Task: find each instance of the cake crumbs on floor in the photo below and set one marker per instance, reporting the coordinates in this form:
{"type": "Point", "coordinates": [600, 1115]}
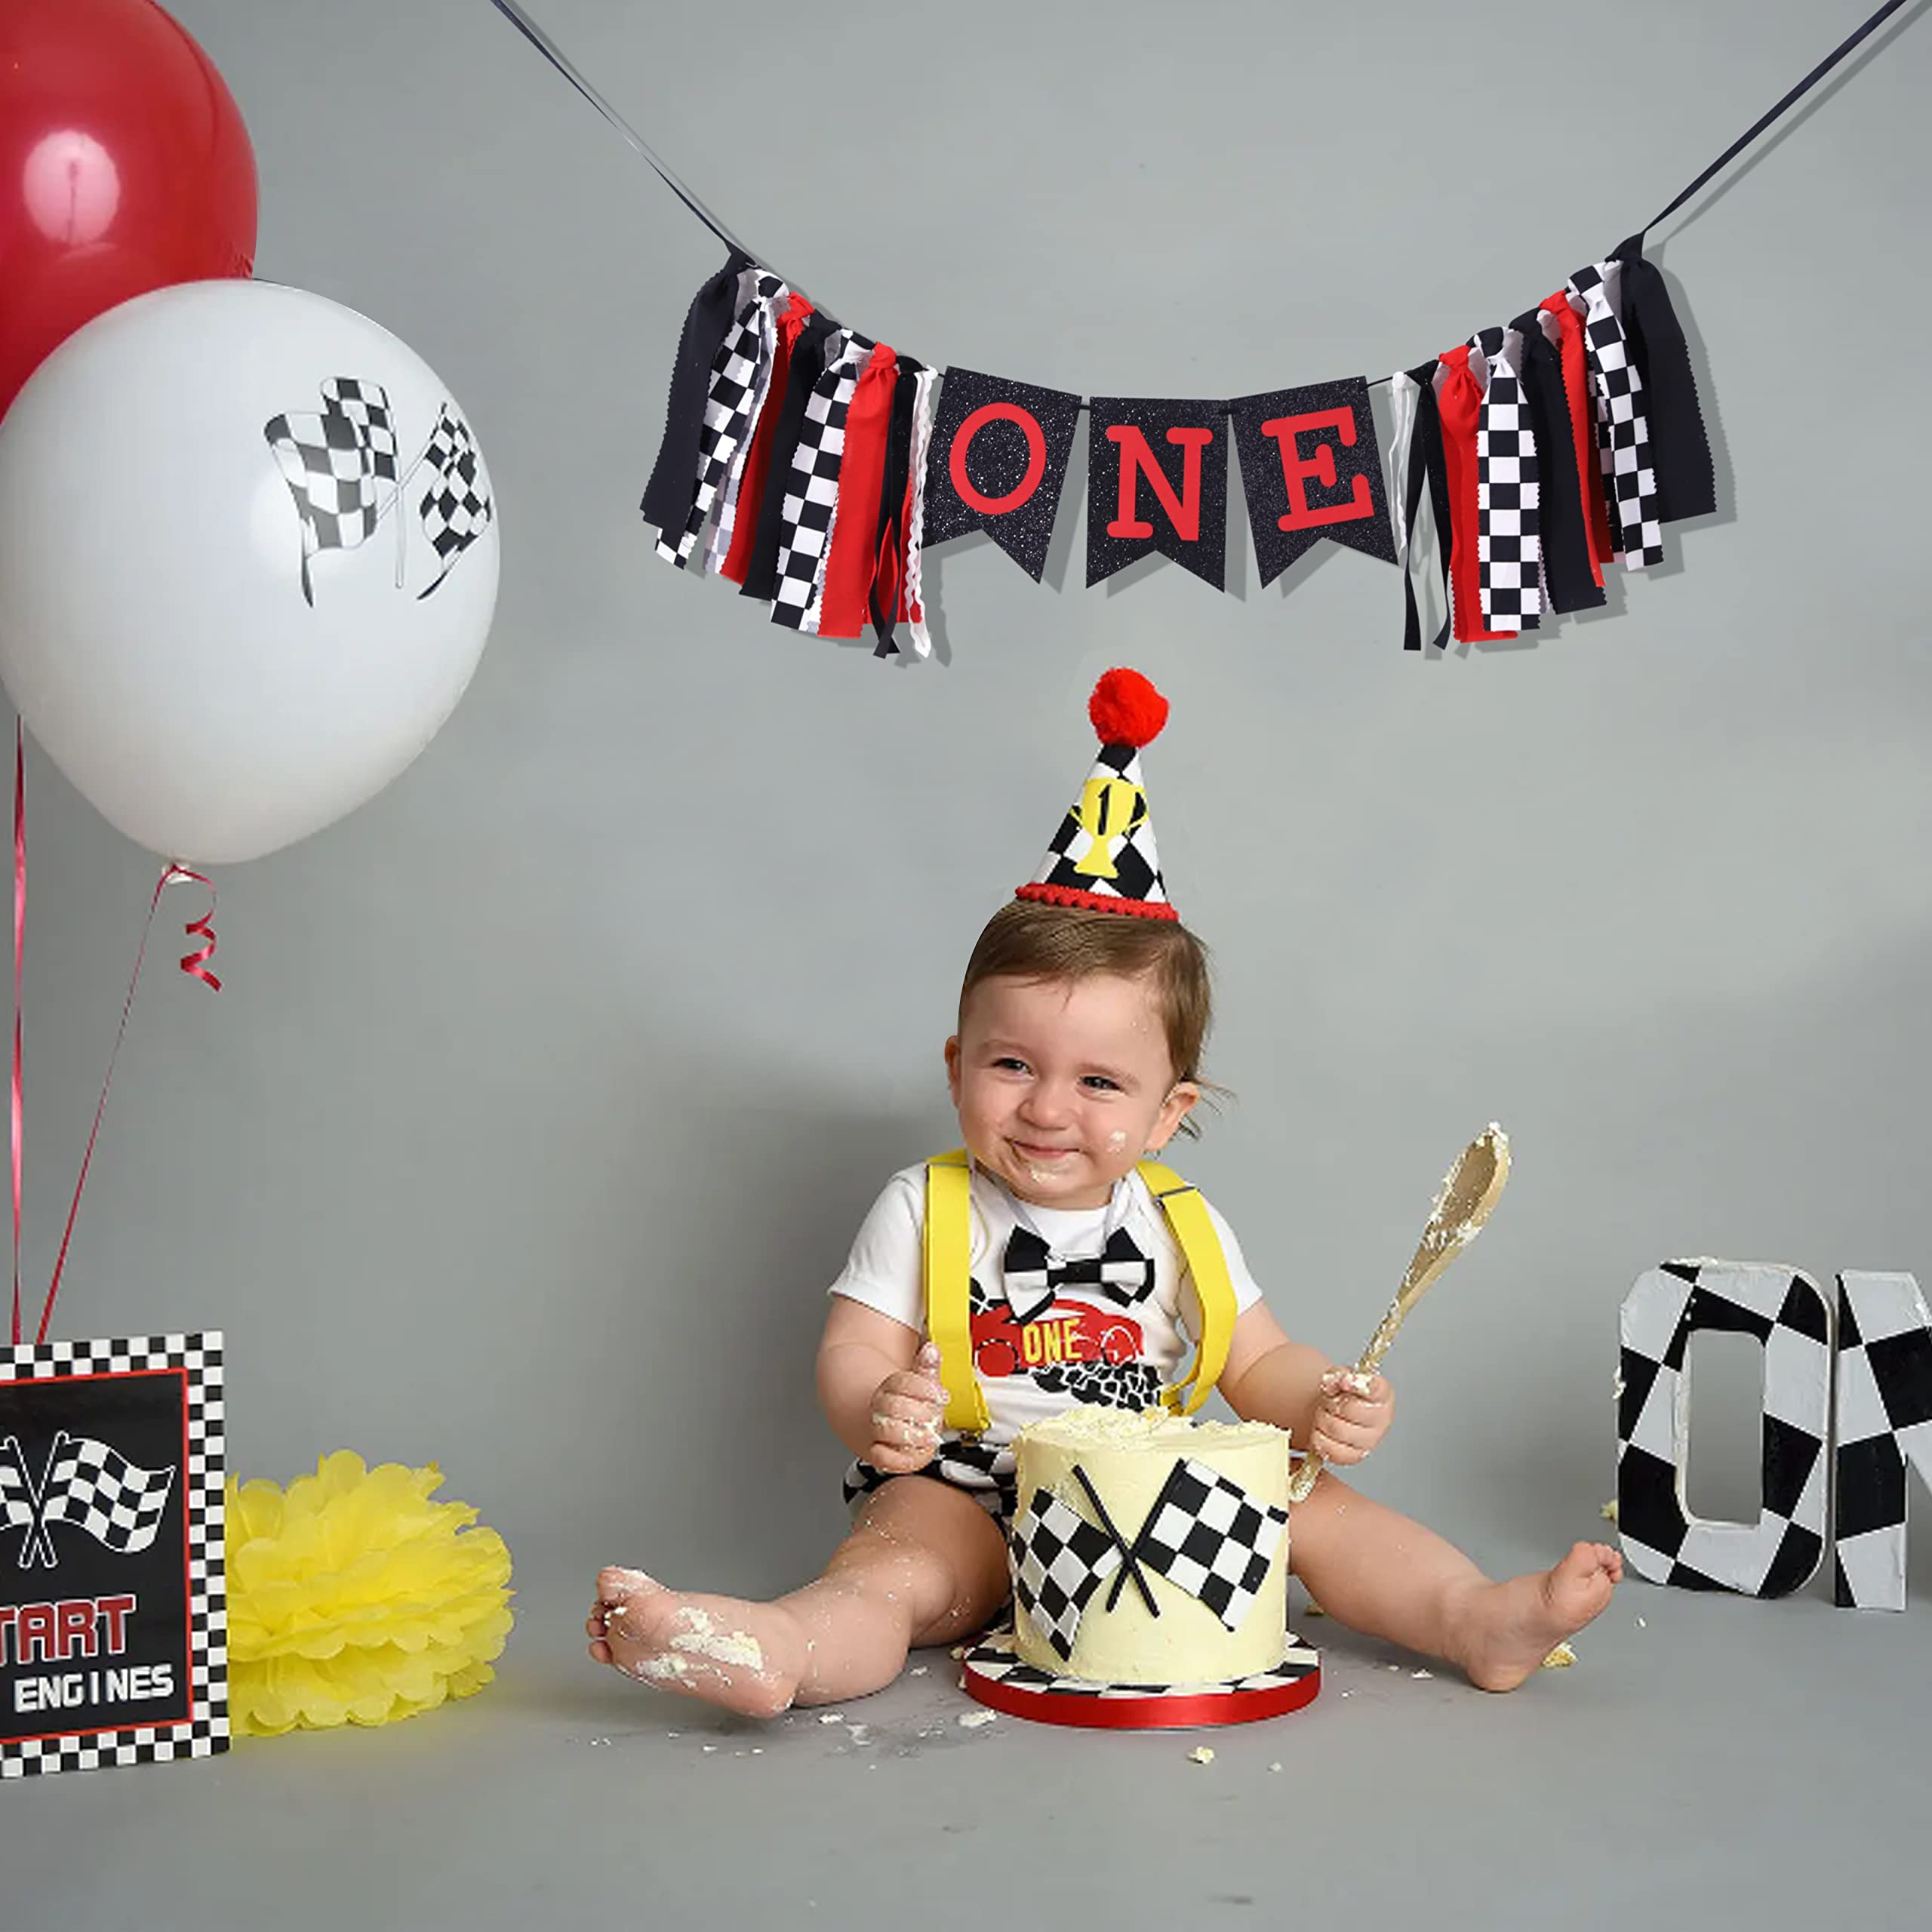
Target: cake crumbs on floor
{"type": "Point", "coordinates": [1202, 1754]}
{"type": "Point", "coordinates": [972, 1720]}
{"type": "Point", "coordinates": [1608, 1512]}
{"type": "Point", "coordinates": [1561, 1658]}
{"type": "Point", "coordinates": [1421, 1673]}
{"type": "Point", "coordinates": [1276, 1765]}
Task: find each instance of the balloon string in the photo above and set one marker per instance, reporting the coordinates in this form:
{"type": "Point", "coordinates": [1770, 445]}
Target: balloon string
{"type": "Point", "coordinates": [19, 956]}
{"type": "Point", "coordinates": [195, 964]}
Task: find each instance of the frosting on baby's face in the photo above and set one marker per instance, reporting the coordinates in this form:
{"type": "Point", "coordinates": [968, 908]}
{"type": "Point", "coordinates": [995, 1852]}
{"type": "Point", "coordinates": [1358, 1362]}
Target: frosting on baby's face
{"type": "Point", "coordinates": [1062, 1085]}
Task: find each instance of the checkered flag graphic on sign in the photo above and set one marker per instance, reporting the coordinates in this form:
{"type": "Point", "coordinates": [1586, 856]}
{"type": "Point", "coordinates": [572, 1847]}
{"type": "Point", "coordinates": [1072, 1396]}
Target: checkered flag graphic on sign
{"type": "Point", "coordinates": [811, 491]}
{"type": "Point", "coordinates": [455, 507]}
{"type": "Point", "coordinates": [1509, 529]}
{"type": "Point", "coordinates": [1623, 423]}
{"type": "Point", "coordinates": [1784, 1309]}
{"type": "Point", "coordinates": [1209, 1537]}
{"type": "Point", "coordinates": [340, 465]}
{"type": "Point", "coordinates": [738, 374]}
{"type": "Point", "coordinates": [1885, 1429]}
{"type": "Point", "coordinates": [1104, 844]}
{"type": "Point", "coordinates": [96, 1489]}
{"type": "Point", "coordinates": [1059, 1559]}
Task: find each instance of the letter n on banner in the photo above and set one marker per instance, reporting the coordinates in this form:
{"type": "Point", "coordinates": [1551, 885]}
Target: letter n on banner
{"type": "Point", "coordinates": [1157, 484]}
{"type": "Point", "coordinates": [997, 463]}
{"type": "Point", "coordinates": [1310, 468]}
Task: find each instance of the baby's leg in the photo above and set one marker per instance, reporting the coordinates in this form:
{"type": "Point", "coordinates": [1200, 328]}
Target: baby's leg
{"type": "Point", "coordinates": [1381, 1574]}
{"type": "Point", "coordinates": [924, 1565]}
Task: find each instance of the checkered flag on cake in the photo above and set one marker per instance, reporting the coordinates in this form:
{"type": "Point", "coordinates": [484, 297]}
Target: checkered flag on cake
{"type": "Point", "coordinates": [1884, 1430]}
{"type": "Point", "coordinates": [1059, 1559]}
{"type": "Point", "coordinates": [1623, 426]}
{"type": "Point", "coordinates": [455, 507]}
{"type": "Point", "coordinates": [1783, 1309]}
{"type": "Point", "coordinates": [340, 465]}
{"type": "Point", "coordinates": [96, 1489]}
{"type": "Point", "coordinates": [1209, 1537]}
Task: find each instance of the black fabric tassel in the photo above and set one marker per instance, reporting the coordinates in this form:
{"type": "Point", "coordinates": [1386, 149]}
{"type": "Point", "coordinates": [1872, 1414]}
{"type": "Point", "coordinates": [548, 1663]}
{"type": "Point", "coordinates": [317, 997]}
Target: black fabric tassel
{"type": "Point", "coordinates": [1566, 567]}
{"type": "Point", "coordinates": [1680, 444]}
{"type": "Point", "coordinates": [668, 496]}
{"type": "Point", "coordinates": [891, 541]}
{"type": "Point", "coordinates": [1427, 465]}
{"type": "Point", "coordinates": [807, 365]}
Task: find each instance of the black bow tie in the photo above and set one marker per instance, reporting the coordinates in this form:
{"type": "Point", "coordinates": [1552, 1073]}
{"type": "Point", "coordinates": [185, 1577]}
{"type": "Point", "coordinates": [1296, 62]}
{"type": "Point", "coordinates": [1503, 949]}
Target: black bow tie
{"type": "Point", "coordinates": [1034, 1275]}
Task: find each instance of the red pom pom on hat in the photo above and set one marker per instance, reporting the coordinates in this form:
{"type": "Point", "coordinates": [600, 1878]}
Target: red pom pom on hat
{"type": "Point", "coordinates": [1127, 710]}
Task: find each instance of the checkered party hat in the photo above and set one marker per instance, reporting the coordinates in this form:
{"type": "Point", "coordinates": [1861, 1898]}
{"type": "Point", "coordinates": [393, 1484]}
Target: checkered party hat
{"type": "Point", "coordinates": [1102, 857]}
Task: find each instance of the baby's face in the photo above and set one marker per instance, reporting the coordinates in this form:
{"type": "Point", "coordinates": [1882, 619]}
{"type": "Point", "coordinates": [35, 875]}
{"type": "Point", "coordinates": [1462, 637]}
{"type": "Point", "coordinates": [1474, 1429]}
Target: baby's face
{"type": "Point", "coordinates": [1062, 1086]}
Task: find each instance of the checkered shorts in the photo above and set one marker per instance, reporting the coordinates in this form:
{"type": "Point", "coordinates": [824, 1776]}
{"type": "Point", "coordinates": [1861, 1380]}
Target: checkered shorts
{"type": "Point", "coordinates": [985, 1471]}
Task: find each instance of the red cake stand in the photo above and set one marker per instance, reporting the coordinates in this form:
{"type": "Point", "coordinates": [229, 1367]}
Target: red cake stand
{"type": "Point", "coordinates": [995, 1675]}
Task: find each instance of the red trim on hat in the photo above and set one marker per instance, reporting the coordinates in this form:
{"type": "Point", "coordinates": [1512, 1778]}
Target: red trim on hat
{"type": "Point", "coordinates": [1094, 902]}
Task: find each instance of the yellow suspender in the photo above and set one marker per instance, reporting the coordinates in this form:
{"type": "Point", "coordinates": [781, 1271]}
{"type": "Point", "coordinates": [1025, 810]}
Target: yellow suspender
{"type": "Point", "coordinates": [948, 1272]}
{"type": "Point", "coordinates": [948, 1263]}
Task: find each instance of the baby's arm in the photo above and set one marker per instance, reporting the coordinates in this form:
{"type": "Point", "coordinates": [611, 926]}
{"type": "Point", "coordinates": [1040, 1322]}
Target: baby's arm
{"type": "Point", "coordinates": [1270, 1379]}
{"type": "Point", "coordinates": [879, 1388]}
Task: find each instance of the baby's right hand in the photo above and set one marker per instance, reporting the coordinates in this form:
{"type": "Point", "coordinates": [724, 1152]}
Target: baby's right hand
{"type": "Point", "coordinates": [908, 1407]}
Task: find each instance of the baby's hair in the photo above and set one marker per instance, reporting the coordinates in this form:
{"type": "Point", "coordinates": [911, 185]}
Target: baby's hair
{"type": "Point", "coordinates": [1027, 939]}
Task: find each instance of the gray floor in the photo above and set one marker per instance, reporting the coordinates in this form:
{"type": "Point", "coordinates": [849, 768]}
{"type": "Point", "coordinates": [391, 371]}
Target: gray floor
{"type": "Point", "coordinates": [1709, 1762]}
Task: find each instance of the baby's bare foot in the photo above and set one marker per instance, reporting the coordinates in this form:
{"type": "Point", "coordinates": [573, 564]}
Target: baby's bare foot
{"type": "Point", "coordinates": [746, 1657]}
{"type": "Point", "coordinates": [1507, 1629]}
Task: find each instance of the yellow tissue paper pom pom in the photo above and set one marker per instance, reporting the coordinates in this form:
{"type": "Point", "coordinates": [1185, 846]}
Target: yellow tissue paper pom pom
{"type": "Point", "coordinates": [353, 1599]}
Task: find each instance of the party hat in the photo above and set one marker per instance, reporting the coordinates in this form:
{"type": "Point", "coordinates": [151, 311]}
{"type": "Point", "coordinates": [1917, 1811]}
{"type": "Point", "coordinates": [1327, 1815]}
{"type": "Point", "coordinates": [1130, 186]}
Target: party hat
{"type": "Point", "coordinates": [1102, 857]}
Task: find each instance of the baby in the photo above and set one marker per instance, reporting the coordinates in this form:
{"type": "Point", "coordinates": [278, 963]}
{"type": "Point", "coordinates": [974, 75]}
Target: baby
{"type": "Point", "coordinates": [1080, 1024]}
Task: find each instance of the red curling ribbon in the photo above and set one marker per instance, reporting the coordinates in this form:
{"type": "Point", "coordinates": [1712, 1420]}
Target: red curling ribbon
{"type": "Point", "coordinates": [194, 963]}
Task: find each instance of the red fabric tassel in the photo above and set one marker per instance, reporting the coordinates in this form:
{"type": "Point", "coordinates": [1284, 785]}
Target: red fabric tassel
{"type": "Point", "coordinates": [849, 567]}
{"type": "Point", "coordinates": [1583, 427]}
{"type": "Point", "coordinates": [1459, 402]}
{"type": "Point", "coordinates": [757, 459]}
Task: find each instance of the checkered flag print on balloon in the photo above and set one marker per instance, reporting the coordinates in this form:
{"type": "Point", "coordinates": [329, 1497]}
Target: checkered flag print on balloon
{"type": "Point", "coordinates": [455, 507]}
{"type": "Point", "coordinates": [96, 1489]}
{"type": "Point", "coordinates": [1785, 1310]}
{"type": "Point", "coordinates": [1884, 1390]}
{"type": "Point", "coordinates": [1209, 1537]}
{"type": "Point", "coordinates": [340, 465]}
{"type": "Point", "coordinates": [1623, 426]}
{"type": "Point", "coordinates": [1509, 529]}
{"type": "Point", "coordinates": [811, 491]}
{"type": "Point", "coordinates": [1059, 1559]}
{"type": "Point", "coordinates": [738, 374]}
{"type": "Point", "coordinates": [1104, 844]}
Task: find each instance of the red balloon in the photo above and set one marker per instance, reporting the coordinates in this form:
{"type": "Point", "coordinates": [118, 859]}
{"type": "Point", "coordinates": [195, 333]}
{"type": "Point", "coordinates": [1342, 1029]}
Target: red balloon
{"type": "Point", "coordinates": [124, 167]}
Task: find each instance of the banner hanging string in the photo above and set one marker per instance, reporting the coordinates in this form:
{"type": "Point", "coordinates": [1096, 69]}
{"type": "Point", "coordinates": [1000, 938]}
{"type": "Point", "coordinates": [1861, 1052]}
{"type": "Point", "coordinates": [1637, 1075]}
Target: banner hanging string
{"type": "Point", "coordinates": [538, 38]}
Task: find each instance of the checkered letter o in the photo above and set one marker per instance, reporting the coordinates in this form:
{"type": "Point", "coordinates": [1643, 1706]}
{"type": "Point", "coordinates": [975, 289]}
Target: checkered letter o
{"type": "Point", "coordinates": [1788, 1313]}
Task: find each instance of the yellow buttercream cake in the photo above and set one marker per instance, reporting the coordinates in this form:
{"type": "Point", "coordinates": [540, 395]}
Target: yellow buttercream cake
{"type": "Point", "coordinates": [1147, 1549]}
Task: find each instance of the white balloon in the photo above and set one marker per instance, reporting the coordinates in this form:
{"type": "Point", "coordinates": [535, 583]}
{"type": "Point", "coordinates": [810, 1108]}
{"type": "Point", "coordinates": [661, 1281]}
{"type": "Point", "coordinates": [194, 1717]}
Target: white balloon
{"type": "Point", "coordinates": [224, 611]}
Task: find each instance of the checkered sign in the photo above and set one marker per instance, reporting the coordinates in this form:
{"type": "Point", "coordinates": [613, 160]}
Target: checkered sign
{"type": "Point", "coordinates": [1786, 1311]}
{"type": "Point", "coordinates": [113, 1645]}
{"type": "Point", "coordinates": [1059, 1559]}
{"type": "Point", "coordinates": [1209, 1537]}
{"type": "Point", "coordinates": [1884, 1392]}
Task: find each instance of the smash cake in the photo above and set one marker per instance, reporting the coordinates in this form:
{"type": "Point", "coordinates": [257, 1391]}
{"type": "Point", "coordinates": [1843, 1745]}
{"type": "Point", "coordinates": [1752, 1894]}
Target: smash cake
{"type": "Point", "coordinates": [1150, 1560]}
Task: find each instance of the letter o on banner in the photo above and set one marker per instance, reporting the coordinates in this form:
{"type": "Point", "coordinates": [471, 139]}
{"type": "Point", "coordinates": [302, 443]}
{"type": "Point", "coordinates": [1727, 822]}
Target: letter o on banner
{"type": "Point", "coordinates": [1036, 458]}
{"type": "Point", "coordinates": [1788, 1313]}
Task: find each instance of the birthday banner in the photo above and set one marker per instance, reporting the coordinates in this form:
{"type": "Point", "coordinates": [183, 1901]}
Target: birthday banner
{"type": "Point", "coordinates": [813, 466]}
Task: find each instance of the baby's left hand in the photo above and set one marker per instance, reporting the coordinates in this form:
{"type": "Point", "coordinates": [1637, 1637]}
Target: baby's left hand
{"type": "Point", "coordinates": [1351, 1415]}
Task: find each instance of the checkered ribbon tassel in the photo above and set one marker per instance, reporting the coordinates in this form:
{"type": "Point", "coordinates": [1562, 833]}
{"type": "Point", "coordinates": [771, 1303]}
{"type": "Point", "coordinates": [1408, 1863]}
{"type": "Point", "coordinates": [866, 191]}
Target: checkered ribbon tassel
{"type": "Point", "coordinates": [811, 490]}
{"type": "Point", "coordinates": [1623, 426]}
{"type": "Point", "coordinates": [456, 508]}
{"type": "Point", "coordinates": [340, 465]}
{"type": "Point", "coordinates": [1209, 1537]}
{"type": "Point", "coordinates": [1509, 531]}
{"type": "Point", "coordinates": [740, 376]}
{"type": "Point", "coordinates": [1059, 1560]}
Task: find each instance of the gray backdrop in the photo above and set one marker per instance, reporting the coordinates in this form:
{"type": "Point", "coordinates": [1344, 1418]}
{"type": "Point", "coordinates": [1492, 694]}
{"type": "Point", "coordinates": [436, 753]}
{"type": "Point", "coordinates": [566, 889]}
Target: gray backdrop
{"type": "Point", "coordinates": [546, 1090]}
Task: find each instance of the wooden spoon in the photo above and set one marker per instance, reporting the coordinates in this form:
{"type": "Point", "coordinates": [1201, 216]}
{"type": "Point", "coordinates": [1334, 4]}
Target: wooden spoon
{"type": "Point", "coordinates": [1469, 1190]}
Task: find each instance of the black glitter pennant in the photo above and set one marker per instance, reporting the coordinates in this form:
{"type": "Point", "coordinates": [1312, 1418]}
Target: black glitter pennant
{"type": "Point", "coordinates": [1157, 484]}
{"type": "Point", "coordinates": [1310, 468]}
{"type": "Point", "coordinates": [997, 463]}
